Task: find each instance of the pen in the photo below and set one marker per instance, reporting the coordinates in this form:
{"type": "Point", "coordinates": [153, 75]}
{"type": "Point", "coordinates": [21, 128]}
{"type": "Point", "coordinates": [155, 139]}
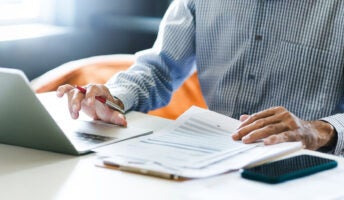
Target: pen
{"type": "Point", "coordinates": [103, 100]}
{"type": "Point", "coordinates": [130, 167]}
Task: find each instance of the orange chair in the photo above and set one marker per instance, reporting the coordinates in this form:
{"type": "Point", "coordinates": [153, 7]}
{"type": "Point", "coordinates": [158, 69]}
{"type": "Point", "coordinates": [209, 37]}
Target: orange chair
{"type": "Point", "coordinates": [100, 68]}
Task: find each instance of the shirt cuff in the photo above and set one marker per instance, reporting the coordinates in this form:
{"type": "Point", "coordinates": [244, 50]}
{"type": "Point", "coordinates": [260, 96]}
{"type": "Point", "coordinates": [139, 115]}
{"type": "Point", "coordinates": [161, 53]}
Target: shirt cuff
{"type": "Point", "coordinates": [337, 121]}
{"type": "Point", "coordinates": [127, 98]}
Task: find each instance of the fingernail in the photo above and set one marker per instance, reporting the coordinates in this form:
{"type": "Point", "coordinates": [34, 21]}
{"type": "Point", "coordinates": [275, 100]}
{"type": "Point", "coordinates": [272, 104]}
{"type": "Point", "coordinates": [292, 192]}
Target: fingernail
{"type": "Point", "coordinates": [75, 108]}
{"type": "Point", "coordinates": [121, 116]}
{"type": "Point", "coordinates": [266, 141]}
{"type": "Point", "coordinates": [74, 115]}
{"type": "Point", "coordinates": [246, 138]}
{"type": "Point", "coordinates": [123, 120]}
{"type": "Point", "coordinates": [58, 93]}
{"type": "Point", "coordinates": [234, 135]}
{"type": "Point", "coordinates": [89, 101]}
{"type": "Point", "coordinates": [242, 118]}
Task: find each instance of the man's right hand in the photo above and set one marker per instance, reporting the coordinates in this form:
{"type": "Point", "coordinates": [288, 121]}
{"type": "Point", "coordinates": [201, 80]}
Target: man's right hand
{"type": "Point", "coordinates": [78, 101]}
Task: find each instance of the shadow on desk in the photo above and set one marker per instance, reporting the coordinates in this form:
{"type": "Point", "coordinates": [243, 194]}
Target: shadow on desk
{"type": "Point", "coordinates": [33, 174]}
{"type": "Point", "coordinates": [15, 159]}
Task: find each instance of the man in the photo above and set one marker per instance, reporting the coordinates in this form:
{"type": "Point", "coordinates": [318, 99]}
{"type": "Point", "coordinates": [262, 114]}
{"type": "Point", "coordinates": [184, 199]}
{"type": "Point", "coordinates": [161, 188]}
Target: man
{"type": "Point", "coordinates": [276, 65]}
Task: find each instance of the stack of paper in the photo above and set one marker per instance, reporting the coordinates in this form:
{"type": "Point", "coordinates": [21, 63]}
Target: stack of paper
{"type": "Point", "coordinates": [198, 144]}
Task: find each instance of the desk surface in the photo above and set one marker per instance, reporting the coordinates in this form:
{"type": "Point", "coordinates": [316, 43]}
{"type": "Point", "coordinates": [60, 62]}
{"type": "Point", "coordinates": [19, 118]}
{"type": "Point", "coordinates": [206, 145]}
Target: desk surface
{"type": "Point", "coordinates": [32, 174]}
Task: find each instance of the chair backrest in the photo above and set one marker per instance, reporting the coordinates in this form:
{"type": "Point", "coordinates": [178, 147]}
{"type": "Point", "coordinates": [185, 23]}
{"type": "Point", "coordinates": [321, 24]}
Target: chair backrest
{"type": "Point", "coordinates": [99, 69]}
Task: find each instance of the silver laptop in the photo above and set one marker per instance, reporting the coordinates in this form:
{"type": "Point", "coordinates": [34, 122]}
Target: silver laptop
{"type": "Point", "coordinates": [24, 121]}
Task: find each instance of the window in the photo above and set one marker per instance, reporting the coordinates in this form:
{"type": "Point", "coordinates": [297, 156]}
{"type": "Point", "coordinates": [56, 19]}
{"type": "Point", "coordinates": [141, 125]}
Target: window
{"type": "Point", "coordinates": [19, 10]}
{"type": "Point", "coordinates": [25, 19]}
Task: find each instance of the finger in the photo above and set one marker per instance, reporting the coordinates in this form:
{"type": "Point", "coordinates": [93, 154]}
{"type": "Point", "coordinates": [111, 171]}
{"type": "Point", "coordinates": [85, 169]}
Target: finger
{"type": "Point", "coordinates": [287, 136]}
{"type": "Point", "coordinates": [261, 115]}
{"type": "Point", "coordinates": [264, 132]}
{"type": "Point", "coordinates": [101, 91]}
{"type": "Point", "coordinates": [75, 98]}
{"type": "Point", "coordinates": [118, 118]}
{"type": "Point", "coordinates": [100, 110]}
{"type": "Point", "coordinates": [109, 115]}
{"type": "Point", "coordinates": [94, 90]}
{"type": "Point", "coordinates": [244, 117]}
{"type": "Point", "coordinates": [89, 110]}
{"type": "Point", "coordinates": [61, 90]}
{"type": "Point", "coordinates": [275, 139]}
{"type": "Point", "coordinates": [258, 124]}
{"type": "Point", "coordinates": [309, 141]}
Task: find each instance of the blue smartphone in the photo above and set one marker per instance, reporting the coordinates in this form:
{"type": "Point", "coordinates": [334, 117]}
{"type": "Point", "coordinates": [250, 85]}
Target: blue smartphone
{"type": "Point", "coordinates": [289, 168]}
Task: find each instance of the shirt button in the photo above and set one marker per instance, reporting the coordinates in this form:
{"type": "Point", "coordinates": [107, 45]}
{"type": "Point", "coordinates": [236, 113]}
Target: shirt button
{"type": "Point", "coordinates": [258, 37]}
{"type": "Point", "coordinates": [251, 77]}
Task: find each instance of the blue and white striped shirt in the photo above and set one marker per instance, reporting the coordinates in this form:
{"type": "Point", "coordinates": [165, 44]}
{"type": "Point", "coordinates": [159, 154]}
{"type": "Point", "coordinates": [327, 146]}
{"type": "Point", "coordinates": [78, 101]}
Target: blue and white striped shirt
{"type": "Point", "coordinates": [250, 55]}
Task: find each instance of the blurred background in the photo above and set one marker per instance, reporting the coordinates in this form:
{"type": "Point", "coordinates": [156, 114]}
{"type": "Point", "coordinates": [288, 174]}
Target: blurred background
{"type": "Point", "coordinates": [38, 35]}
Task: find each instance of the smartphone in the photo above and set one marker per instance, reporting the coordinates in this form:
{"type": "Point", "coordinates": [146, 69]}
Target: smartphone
{"type": "Point", "coordinates": [289, 168]}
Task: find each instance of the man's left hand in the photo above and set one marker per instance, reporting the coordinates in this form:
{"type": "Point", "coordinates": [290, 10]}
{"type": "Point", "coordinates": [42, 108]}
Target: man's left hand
{"type": "Point", "coordinates": [277, 124]}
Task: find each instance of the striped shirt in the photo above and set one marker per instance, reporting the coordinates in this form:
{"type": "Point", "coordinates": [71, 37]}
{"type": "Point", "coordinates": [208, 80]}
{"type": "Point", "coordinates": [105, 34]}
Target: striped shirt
{"type": "Point", "coordinates": [250, 55]}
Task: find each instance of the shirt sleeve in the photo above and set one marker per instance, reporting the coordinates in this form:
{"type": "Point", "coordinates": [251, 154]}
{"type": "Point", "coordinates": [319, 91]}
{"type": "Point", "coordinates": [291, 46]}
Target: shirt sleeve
{"type": "Point", "coordinates": [157, 72]}
{"type": "Point", "coordinates": [337, 121]}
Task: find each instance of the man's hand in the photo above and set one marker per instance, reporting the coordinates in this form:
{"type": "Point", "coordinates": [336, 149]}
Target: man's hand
{"type": "Point", "coordinates": [277, 124]}
{"type": "Point", "coordinates": [78, 101]}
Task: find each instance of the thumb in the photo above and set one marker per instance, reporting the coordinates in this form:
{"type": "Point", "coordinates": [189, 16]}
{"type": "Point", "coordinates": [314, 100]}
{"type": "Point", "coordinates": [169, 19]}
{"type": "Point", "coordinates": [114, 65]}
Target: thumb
{"type": "Point", "coordinates": [119, 119]}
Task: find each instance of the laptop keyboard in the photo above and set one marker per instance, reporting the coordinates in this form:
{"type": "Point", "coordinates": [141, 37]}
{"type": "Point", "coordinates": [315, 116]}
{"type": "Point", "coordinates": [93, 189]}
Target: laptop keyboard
{"type": "Point", "coordinates": [86, 139]}
{"type": "Point", "coordinates": [83, 134]}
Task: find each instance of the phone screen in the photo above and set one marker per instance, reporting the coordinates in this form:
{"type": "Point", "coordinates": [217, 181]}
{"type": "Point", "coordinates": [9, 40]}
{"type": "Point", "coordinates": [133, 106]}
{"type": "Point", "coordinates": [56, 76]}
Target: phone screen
{"type": "Point", "coordinates": [289, 168]}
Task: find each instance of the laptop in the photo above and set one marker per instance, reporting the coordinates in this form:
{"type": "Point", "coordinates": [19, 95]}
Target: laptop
{"type": "Point", "coordinates": [25, 121]}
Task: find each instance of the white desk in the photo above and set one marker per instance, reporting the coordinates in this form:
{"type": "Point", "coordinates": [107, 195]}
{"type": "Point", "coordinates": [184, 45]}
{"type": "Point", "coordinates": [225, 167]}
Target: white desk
{"type": "Point", "coordinates": [34, 175]}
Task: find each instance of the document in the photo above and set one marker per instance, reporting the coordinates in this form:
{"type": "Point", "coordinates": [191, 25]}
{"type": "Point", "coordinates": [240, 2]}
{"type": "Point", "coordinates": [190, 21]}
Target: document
{"type": "Point", "coordinates": [198, 144]}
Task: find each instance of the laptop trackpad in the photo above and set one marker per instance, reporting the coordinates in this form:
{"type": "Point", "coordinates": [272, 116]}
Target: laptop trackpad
{"type": "Point", "coordinates": [96, 132]}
